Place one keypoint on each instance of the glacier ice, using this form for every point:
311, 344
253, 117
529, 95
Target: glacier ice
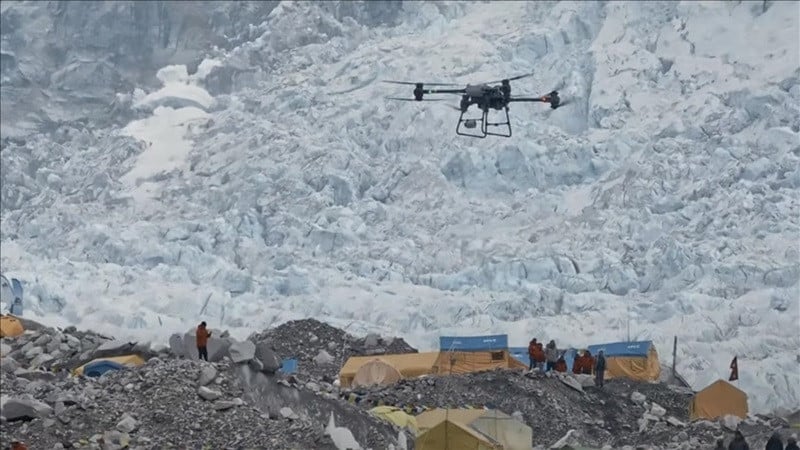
238, 164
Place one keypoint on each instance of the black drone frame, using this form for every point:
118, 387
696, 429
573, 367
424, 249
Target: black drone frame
486, 97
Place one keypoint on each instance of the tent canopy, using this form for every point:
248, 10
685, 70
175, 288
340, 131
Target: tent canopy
475, 361
377, 371
409, 365
490, 428
102, 365
473, 343
632, 360
10, 326
718, 399
396, 416
448, 435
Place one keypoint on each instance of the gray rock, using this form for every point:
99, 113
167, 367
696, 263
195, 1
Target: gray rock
8, 365
571, 382
675, 422
22, 409
41, 340
255, 365
222, 405
657, 410
638, 397
269, 359
33, 352
35, 375
242, 351
323, 358
208, 394
176, 345
5, 349
287, 413
40, 360
371, 340
207, 374
127, 424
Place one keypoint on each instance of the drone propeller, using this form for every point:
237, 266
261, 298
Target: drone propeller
415, 100
412, 83
511, 79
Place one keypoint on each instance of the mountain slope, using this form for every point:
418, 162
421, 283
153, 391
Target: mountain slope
271, 181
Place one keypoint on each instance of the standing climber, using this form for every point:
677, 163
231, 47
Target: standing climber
599, 369
775, 442
551, 355
738, 442
202, 336
791, 443
532, 353
561, 365
588, 363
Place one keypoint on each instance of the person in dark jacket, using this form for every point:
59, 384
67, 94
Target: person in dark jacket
738, 442
599, 369
532, 353
720, 444
775, 442
551, 354
791, 443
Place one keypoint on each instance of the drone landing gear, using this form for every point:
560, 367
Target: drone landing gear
484, 125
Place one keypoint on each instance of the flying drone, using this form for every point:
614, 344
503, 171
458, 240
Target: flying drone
486, 96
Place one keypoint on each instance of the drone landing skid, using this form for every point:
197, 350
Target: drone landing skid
484, 125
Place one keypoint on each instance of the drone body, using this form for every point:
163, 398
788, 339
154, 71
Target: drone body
486, 97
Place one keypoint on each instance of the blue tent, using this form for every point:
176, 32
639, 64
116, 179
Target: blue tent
98, 368
289, 366
473, 343
623, 349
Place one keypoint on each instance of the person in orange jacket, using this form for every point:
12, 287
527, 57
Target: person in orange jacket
561, 364
588, 363
538, 354
202, 336
577, 364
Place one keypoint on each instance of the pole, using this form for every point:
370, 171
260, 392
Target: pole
674, 355
629, 319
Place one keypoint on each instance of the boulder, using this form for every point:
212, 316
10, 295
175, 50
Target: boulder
675, 422
208, 394
22, 409
657, 410
113, 348
8, 364
572, 382
40, 360
222, 405
371, 340
638, 397
5, 349
217, 346
127, 424
176, 345
731, 422
323, 358
206, 375
268, 358
287, 413
241, 352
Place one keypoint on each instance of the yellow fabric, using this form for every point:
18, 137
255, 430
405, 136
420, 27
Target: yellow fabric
449, 435
378, 372
467, 362
719, 399
492, 427
409, 365
10, 326
127, 360
397, 417
634, 368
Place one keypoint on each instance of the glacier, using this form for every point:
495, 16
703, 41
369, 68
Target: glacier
164, 163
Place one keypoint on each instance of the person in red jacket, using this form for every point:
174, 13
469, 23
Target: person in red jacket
577, 364
561, 364
202, 336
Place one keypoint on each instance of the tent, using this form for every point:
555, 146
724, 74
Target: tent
10, 326
409, 365
472, 428
288, 366
378, 371
99, 366
396, 416
718, 399
465, 354
633, 360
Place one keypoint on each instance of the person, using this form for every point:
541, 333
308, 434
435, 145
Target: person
577, 364
738, 442
720, 444
532, 353
561, 365
791, 443
551, 355
202, 336
775, 442
599, 369
588, 363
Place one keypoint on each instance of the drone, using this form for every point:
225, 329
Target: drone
486, 97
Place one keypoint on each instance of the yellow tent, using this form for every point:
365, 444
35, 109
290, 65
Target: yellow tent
396, 416
718, 399
10, 326
127, 360
449, 435
632, 360
409, 365
476, 361
472, 428
377, 371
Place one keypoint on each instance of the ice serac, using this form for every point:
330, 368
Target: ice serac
164, 164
